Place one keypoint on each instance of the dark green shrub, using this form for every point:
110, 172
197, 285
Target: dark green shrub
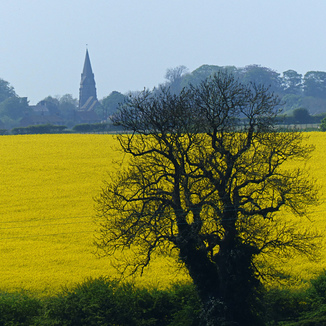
91, 127
318, 290
84, 127
89, 303
285, 305
301, 307
323, 124
316, 296
106, 302
18, 308
186, 305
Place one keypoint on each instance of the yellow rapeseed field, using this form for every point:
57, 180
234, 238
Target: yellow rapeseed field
47, 187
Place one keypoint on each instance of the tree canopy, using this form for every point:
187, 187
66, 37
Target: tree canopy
110, 104
13, 109
6, 91
205, 179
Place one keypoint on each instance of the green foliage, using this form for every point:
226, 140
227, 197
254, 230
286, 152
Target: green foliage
110, 104
296, 91
323, 124
18, 308
285, 304
6, 90
301, 115
292, 82
315, 314
261, 76
314, 105
106, 302
90, 303
318, 290
52, 104
103, 302
14, 107
305, 307
291, 102
314, 84
201, 73
186, 305
67, 106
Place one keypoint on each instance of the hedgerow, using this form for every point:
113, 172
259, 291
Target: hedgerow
105, 302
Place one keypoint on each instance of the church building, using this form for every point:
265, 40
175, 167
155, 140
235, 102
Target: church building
87, 91
47, 113
87, 95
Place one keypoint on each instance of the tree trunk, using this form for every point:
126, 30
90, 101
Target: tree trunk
225, 286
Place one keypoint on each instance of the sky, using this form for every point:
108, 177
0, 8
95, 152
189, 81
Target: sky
132, 43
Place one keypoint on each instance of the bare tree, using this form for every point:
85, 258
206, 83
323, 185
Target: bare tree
174, 74
205, 178
175, 78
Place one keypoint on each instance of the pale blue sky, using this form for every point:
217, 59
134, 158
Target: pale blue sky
132, 43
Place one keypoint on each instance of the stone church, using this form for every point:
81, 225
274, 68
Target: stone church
87, 91
87, 95
45, 113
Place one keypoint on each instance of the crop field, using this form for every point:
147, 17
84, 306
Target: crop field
47, 187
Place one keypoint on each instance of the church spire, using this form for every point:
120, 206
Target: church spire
87, 71
87, 91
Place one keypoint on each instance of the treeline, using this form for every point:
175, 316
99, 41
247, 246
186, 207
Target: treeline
306, 91
106, 302
15, 111
297, 91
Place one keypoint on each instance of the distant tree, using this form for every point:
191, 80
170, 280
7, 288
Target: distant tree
6, 91
67, 106
205, 71
8, 117
174, 76
261, 76
195, 185
51, 99
291, 102
67, 100
292, 82
14, 107
110, 104
63, 106
315, 105
314, 84
51, 103
301, 115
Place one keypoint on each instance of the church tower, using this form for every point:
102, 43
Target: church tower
87, 91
